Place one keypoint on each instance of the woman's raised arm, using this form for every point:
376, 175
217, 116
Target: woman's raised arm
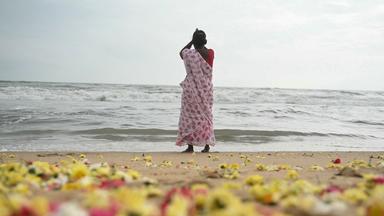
188, 46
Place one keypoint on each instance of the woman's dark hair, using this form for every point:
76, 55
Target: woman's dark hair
199, 39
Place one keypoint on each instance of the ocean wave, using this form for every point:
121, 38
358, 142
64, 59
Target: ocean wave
286, 111
270, 111
45, 121
165, 132
291, 110
13, 119
90, 112
281, 117
239, 113
32, 132
351, 93
92, 93
147, 93
368, 123
218, 132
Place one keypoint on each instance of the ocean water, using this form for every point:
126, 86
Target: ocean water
37, 116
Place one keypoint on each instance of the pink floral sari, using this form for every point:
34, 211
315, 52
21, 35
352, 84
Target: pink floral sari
195, 122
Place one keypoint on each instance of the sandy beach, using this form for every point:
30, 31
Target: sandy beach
352, 180
185, 167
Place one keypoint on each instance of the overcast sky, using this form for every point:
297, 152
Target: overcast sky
327, 44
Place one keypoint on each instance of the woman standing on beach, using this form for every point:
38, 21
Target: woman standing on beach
196, 119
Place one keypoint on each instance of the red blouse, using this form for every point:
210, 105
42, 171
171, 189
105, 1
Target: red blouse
211, 56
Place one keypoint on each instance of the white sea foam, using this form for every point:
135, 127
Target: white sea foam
137, 93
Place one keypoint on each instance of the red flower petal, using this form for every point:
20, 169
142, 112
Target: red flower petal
336, 161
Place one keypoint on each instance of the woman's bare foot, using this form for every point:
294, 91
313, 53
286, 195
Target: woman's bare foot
206, 149
188, 150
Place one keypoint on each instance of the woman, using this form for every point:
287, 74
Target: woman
195, 122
